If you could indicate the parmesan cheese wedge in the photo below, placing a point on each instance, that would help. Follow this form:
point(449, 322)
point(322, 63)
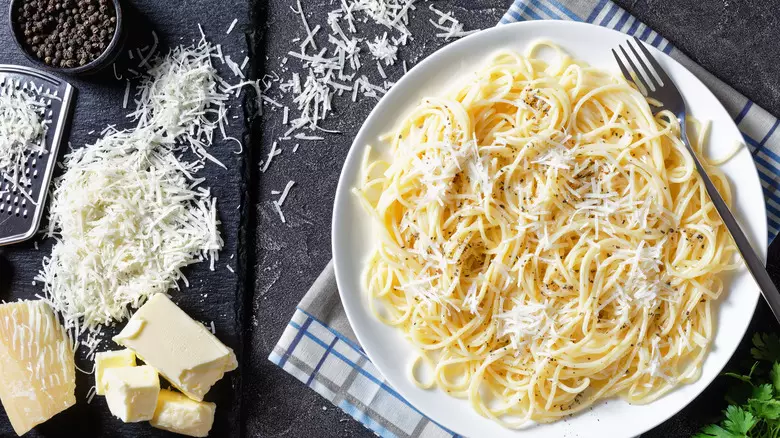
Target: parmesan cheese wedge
point(36, 364)
point(181, 349)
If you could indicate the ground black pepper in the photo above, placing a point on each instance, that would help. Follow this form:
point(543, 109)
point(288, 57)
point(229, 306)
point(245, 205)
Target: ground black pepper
point(66, 33)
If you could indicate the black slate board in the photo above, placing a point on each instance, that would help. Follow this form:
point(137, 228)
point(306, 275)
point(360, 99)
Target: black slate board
point(213, 296)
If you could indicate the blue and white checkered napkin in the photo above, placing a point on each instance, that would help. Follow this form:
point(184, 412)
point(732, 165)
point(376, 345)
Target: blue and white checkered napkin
point(320, 349)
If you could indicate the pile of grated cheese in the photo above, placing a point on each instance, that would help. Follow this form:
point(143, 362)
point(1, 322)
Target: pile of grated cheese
point(129, 213)
point(22, 134)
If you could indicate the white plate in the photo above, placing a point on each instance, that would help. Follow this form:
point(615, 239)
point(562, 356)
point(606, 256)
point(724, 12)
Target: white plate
point(352, 241)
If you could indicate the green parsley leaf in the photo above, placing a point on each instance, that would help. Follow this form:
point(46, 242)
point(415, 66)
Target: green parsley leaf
point(737, 424)
point(738, 421)
point(762, 392)
point(774, 376)
point(715, 431)
point(766, 409)
point(754, 398)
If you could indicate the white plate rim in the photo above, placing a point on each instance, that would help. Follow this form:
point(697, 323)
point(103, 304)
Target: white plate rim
point(757, 230)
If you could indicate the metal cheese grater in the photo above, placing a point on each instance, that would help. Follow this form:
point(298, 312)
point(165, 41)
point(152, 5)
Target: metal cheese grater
point(19, 217)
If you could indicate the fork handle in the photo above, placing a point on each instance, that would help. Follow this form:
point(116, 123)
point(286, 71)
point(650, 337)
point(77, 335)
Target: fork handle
point(754, 263)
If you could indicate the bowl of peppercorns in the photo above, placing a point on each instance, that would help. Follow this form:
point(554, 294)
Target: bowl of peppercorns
point(68, 36)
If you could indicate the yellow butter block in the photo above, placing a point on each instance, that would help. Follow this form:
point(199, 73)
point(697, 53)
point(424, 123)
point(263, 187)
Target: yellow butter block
point(180, 414)
point(110, 359)
point(180, 348)
point(131, 392)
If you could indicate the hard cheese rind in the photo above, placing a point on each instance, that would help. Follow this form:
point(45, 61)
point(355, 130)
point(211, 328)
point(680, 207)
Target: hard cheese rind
point(180, 348)
point(37, 371)
point(110, 359)
point(131, 392)
point(180, 414)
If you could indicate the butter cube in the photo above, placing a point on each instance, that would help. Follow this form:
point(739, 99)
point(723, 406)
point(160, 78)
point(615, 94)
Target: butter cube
point(180, 414)
point(180, 348)
point(110, 359)
point(131, 392)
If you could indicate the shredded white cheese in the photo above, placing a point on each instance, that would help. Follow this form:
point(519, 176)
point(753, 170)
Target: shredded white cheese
point(285, 192)
point(128, 213)
point(232, 25)
point(452, 29)
point(183, 95)
point(524, 321)
point(274, 152)
point(383, 50)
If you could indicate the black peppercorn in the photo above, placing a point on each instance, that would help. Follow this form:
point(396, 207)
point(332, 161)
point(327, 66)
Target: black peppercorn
point(66, 33)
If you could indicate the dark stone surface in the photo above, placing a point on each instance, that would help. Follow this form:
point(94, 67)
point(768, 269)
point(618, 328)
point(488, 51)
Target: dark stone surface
point(213, 296)
point(734, 40)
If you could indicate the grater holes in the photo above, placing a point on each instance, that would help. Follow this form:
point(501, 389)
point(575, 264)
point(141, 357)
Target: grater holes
point(17, 204)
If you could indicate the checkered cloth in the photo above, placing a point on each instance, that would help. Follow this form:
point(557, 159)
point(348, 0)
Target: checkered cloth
point(320, 349)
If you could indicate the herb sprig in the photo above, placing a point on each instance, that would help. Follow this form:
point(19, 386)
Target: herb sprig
point(754, 400)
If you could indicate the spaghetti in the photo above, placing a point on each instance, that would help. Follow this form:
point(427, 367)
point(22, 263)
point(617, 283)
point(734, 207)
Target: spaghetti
point(545, 241)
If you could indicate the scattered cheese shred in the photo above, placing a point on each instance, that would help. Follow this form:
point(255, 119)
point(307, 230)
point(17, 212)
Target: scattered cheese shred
point(274, 152)
point(455, 28)
point(279, 210)
point(232, 25)
point(383, 50)
point(127, 94)
point(285, 192)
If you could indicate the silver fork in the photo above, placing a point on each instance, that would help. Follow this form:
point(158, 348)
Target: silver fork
point(653, 82)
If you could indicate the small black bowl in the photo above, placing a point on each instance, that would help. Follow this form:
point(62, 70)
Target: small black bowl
point(105, 59)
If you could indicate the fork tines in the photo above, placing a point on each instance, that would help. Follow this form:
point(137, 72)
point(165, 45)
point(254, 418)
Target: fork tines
point(646, 78)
